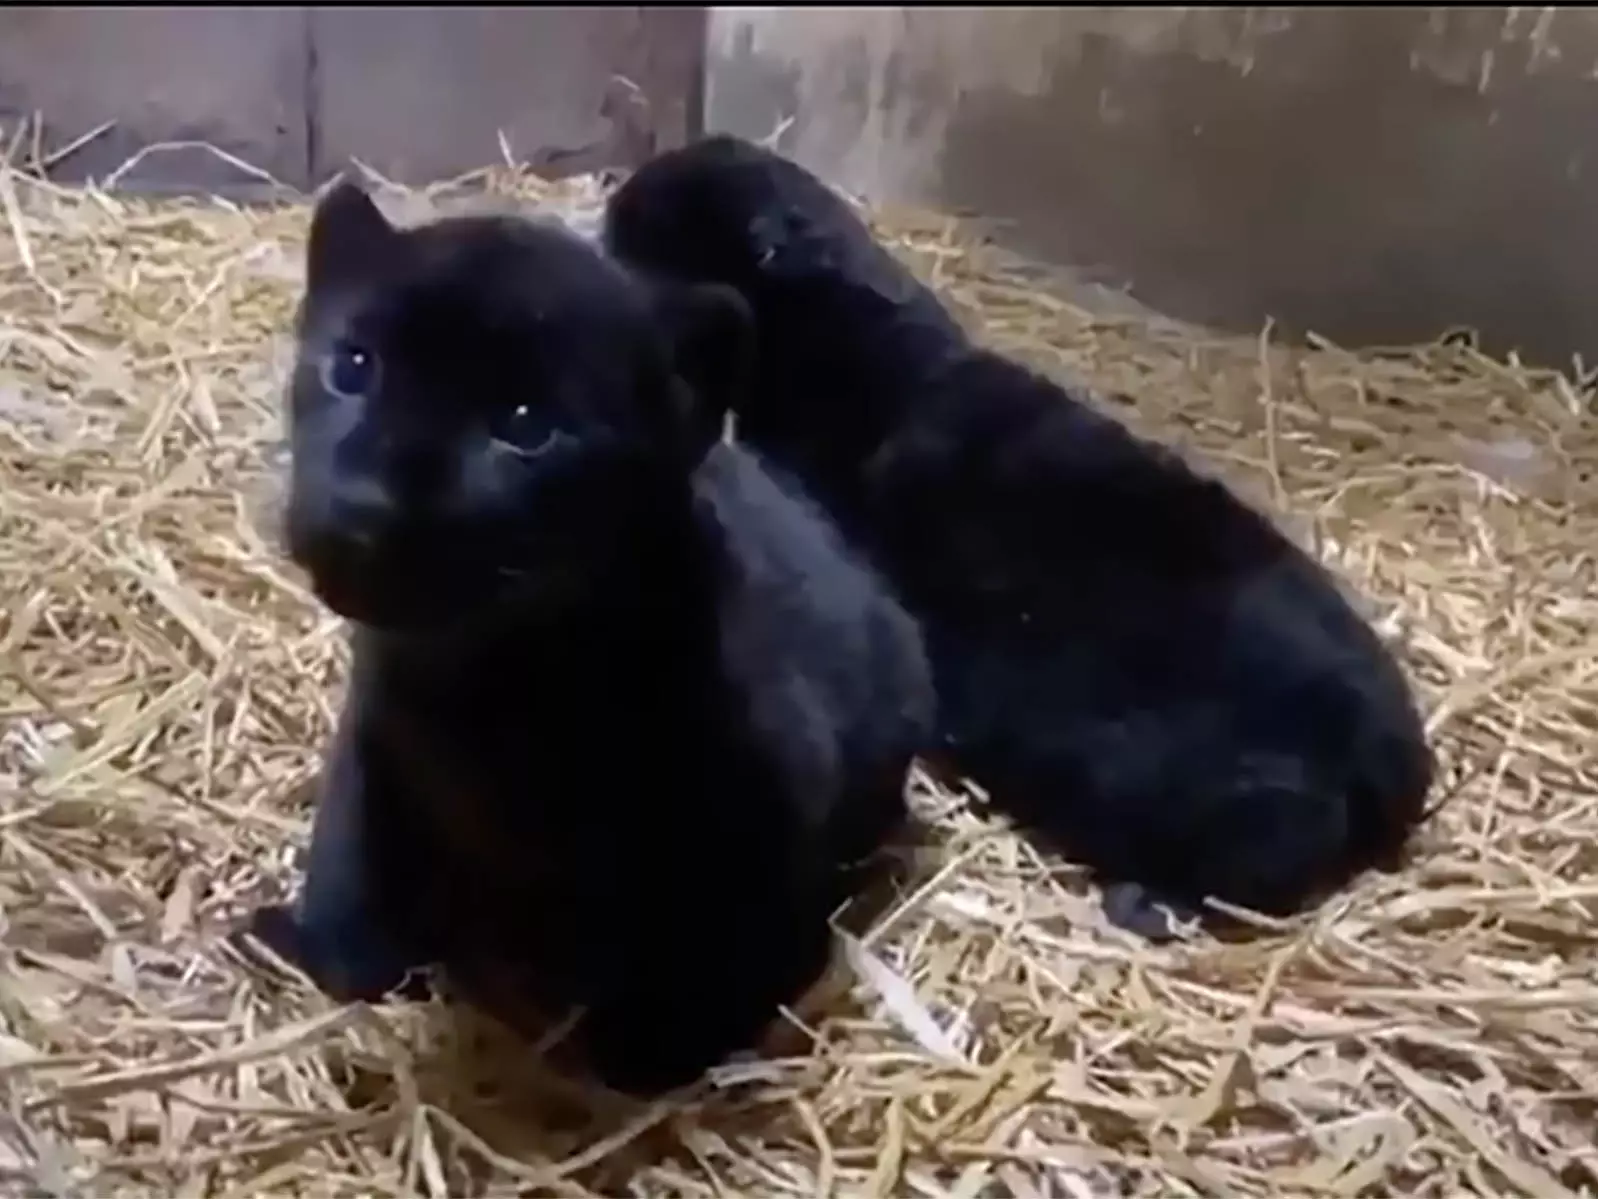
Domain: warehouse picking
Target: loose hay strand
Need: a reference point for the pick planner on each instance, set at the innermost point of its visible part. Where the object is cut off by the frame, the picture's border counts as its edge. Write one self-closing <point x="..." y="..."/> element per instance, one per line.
<point x="168" y="685"/>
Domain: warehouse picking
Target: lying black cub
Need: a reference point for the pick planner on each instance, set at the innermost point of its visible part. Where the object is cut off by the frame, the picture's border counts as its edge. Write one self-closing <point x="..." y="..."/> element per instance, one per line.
<point x="1134" y="663"/>
<point x="622" y="709"/>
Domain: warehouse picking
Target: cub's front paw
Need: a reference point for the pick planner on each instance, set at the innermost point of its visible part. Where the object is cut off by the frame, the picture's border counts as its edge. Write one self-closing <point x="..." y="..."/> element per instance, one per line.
<point x="347" y="969"/>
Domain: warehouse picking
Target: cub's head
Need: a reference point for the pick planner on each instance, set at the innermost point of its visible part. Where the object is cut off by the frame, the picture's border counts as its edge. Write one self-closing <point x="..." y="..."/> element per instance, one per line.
<point x="725" y="209"/>
<point x="481" y="405"/>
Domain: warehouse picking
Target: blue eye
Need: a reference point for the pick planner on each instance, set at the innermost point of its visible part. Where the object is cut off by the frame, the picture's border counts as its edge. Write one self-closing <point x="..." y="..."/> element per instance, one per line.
<point x="349" y="371"/>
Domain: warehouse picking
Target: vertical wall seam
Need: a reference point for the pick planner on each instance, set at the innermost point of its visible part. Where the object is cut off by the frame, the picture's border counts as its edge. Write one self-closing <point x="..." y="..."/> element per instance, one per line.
<point x="694" y="103"/>
<point x="311" y="99"/>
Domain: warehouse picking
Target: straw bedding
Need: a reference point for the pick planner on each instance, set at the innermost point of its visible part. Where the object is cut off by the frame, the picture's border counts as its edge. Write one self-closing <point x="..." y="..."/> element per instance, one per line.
<point x="166" y="685"/>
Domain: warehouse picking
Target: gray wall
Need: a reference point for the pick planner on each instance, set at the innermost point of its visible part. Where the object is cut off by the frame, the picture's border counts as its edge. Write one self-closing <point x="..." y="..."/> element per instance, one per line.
<point x="1374" y="174"/>
<point x="417" y="93"/>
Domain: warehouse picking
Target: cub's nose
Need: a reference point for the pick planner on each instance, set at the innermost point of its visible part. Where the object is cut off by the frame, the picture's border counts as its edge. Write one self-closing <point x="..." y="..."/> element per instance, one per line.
<point x="360" y="510"/>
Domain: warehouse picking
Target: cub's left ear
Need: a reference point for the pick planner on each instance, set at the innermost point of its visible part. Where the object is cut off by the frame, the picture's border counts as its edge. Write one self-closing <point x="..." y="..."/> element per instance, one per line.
<point x="710" y="330"/>
<point x="350" y="239"/>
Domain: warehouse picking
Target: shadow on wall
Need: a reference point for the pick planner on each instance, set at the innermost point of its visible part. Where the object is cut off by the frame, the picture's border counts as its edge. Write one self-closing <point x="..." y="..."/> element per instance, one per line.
<point x="1334" y="185"/>
<point x="747" y="91"/>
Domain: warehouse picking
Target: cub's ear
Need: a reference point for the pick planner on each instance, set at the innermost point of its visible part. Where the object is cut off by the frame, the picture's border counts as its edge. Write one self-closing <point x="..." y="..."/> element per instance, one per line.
<point x="350" y="239"/>
<point x="710" y="331"/>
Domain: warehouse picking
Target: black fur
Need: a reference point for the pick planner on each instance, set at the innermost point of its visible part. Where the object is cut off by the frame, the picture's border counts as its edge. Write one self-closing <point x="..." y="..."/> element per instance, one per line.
<point x="622" y="708"/>
<point x="1134" y="663"/>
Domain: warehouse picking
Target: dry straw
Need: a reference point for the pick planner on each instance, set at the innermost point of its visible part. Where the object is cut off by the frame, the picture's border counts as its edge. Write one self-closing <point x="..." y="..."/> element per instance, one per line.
<point x="167" y="685"/>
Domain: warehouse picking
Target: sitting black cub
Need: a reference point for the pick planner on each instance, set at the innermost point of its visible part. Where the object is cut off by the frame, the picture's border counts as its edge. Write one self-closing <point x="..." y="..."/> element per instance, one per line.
<point x="1133" y="662"/>
<point x="622" y="709"/>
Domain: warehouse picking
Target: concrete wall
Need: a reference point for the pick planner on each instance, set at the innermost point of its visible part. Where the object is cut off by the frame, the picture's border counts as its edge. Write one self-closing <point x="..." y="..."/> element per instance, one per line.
<point x="417" y="93"/>
<point x="1373" y="174"/>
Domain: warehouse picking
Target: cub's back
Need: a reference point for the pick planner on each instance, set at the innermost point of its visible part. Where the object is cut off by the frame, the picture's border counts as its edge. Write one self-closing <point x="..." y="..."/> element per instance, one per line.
<point x="808" y="631"/>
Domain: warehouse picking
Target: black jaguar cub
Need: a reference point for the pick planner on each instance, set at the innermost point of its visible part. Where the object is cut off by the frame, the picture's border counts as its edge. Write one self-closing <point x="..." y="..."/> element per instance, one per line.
<point x="622" y="709"/>
<point x="1134" y="663"/>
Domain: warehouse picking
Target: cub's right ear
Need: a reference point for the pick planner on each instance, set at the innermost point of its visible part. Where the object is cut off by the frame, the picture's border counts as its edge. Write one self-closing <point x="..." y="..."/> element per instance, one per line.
<point x="350" y="239"/>
<point x="710" y="330"/>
